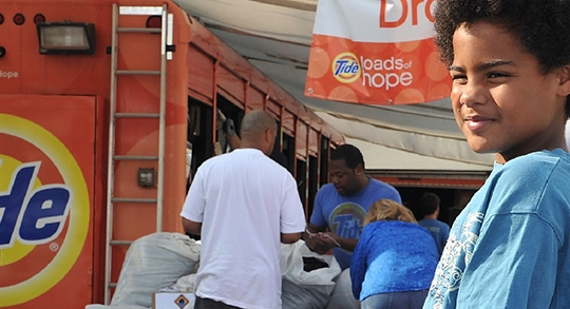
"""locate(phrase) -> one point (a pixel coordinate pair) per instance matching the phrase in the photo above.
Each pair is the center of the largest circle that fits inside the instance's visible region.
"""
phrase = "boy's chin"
(481, 148)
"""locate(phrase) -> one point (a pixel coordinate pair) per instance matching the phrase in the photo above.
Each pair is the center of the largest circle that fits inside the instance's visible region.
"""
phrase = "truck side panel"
(47, 199)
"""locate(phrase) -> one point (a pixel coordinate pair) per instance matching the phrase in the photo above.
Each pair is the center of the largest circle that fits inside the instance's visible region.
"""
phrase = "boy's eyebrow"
(483, 66)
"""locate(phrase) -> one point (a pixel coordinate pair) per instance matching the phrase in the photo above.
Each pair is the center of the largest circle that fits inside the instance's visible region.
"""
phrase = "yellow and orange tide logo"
(345, 68)
(35, 215)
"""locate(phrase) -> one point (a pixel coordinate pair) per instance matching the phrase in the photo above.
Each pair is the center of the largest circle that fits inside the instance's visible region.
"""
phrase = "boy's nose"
(471, 94)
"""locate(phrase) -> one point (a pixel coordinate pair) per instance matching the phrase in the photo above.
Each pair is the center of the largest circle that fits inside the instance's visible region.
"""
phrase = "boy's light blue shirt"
(510, 247)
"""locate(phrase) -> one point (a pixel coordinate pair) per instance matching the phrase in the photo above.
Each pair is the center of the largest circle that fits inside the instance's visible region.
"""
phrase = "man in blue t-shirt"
(429, 205)
(340, 207)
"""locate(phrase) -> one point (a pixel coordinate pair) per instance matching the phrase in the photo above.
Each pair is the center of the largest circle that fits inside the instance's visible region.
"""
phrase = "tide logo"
(34, 215)
(347, 220)
(345, 68)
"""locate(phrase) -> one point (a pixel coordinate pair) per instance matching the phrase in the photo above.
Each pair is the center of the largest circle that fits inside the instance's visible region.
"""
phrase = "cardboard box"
(170, 298)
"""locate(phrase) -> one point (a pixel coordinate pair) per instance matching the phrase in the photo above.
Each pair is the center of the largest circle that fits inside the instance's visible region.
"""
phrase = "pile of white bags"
(161, 260)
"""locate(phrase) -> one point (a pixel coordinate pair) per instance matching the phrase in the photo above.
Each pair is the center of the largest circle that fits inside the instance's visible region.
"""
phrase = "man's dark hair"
(542, 27)
(429, 203)
(350, 154)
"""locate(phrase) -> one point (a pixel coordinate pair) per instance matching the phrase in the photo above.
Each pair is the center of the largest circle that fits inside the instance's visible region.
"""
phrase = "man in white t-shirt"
(244, 205)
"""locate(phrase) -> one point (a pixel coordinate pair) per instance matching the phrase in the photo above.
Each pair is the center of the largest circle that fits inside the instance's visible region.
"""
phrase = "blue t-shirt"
(344, 215)
(392, 256)
(439, 230)
(510, 247)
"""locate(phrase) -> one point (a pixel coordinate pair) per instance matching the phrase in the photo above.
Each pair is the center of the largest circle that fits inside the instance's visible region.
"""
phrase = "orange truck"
(107, 107)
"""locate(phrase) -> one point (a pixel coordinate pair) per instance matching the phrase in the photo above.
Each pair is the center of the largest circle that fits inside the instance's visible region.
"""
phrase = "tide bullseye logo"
(345, 68)
(35, 213)
(347, 220)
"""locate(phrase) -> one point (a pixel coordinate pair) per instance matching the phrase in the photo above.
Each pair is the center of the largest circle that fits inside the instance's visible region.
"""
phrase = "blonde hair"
(388, 210)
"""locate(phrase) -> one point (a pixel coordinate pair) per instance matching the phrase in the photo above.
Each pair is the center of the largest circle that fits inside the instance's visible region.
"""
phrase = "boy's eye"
(496, 75)
(459, 78)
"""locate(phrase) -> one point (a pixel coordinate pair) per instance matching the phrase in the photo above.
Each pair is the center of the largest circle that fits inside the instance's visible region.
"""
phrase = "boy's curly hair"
(542, 27)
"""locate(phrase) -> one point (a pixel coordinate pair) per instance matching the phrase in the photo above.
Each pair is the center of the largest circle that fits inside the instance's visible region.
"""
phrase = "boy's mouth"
(477, 123)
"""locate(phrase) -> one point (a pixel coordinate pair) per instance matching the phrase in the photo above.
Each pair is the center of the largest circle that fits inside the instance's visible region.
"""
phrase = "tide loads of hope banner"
(375, 52)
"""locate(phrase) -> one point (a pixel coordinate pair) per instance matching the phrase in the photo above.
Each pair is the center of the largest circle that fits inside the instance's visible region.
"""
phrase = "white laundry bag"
(153, 262)
(306, 289)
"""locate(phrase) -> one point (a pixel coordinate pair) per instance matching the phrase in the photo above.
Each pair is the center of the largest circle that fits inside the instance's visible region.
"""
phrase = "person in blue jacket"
(510, 64)
(394, 262)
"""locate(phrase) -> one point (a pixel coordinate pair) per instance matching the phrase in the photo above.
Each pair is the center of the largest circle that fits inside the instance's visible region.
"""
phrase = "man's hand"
(320, 243)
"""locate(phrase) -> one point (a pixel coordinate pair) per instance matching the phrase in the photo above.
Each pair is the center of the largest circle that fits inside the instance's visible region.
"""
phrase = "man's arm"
(191, 227)
(193, 207)
(314, 229)
(290, 238)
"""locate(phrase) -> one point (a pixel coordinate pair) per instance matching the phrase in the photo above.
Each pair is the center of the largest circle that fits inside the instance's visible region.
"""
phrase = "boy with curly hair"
(510, 65)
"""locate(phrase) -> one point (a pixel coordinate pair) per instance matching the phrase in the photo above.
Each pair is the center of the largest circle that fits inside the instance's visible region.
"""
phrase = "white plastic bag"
(306, 289)
(186, 283)
(153, 262)
(292, 266)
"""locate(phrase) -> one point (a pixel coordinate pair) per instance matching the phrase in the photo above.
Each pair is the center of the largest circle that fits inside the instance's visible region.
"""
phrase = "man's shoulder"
(327, 195)
(379, 183)
(245, 155)
(379, 189)
(442, 224)
(215, 162)
(327, 189)
(426, 222)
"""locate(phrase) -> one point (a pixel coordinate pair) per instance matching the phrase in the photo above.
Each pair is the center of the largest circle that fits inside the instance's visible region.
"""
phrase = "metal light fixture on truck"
(66, 38)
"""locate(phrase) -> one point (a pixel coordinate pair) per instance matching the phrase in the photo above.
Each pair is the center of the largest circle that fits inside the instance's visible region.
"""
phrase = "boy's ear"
(564, 83)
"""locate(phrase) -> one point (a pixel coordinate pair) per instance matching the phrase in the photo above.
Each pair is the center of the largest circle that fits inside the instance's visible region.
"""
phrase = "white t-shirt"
(245, 200)
(568, 133)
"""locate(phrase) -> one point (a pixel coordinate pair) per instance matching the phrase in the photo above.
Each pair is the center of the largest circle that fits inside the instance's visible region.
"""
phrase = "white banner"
(375, 52)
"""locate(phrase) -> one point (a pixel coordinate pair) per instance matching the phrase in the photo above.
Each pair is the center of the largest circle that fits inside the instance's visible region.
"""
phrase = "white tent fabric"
(275, 36)
(379, 157)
